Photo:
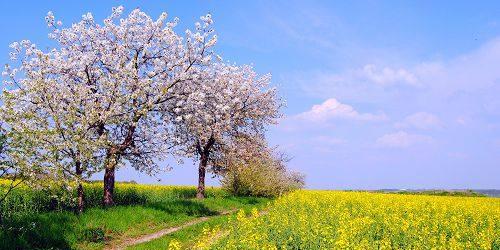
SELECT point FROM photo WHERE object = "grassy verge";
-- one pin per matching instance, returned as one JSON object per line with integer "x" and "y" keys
{"x": 188, "y": 237}
{"x": 34, "y": 222}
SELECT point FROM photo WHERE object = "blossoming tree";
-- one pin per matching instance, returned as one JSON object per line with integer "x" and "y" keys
{"x": 226, "y": 102}
{"x": 47, "y": 119}
{"x": 101, "y": 94}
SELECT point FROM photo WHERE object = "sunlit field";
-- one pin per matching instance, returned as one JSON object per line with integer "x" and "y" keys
{"x": 38, "y": 219}
{"x": 361, "y": 220}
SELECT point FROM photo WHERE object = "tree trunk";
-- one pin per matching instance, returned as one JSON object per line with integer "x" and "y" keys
{"x": 202, "y": 169}
{"x": 81, "y": 197}
{"x": 109, "y": 184}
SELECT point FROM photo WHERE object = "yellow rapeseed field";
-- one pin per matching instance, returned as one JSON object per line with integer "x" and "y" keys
{"x": 362, "y": 220}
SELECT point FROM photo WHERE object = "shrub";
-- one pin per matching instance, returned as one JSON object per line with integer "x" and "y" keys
{"x": 258, "y": 179}
{"x": 254, "y": 169}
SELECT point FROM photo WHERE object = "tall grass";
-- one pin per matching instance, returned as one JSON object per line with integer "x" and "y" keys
{"x": 25, "y": 200}
{"x": 34, "y": 219}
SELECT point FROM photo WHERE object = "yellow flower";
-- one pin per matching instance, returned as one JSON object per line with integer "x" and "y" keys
{"x": 174, "y": 245}
{"x": 362, "y": 220}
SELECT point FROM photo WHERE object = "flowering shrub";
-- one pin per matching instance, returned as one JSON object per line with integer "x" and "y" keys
{"x": 252, "y": 168}
{"x": 261, "y": 179}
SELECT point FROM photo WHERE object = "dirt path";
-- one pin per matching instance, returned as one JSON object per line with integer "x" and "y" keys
{"x": 145, "y": 238}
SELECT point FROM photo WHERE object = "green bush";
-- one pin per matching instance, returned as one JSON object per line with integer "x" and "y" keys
{"x": 249, "y": 167}
{"x": 261, "y": 180}
{"x": 254, "y": 169}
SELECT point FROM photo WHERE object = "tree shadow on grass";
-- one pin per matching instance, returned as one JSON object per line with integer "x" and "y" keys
{"x": 251, "y": 200}
{"x": 41, "y": 231}
{"x": 246, "y": 200}
{"x": 178, "y": 206}
{"x": 61, "y": 230}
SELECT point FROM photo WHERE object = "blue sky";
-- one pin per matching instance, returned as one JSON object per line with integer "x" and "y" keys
{"x": 380, "y": 94}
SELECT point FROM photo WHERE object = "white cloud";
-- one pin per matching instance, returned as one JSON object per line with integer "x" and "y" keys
{"x": 333, "y": 109}
{"x": 402, "y": 139}
{"x": 369, "y": 83}
{"x": 388, "y": 76}
{"x": 420, "y": 120}
{"x": 474, "y": 76}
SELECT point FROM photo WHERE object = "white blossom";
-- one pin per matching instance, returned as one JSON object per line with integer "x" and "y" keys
{"x": 225, "y": 103}
{"x": 130, "y": 90}
{"x": 100, "y": 96}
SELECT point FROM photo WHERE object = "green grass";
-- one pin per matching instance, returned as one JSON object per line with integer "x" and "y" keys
{"x": 34, "y": 222}
{"x": 187, "y": 237}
